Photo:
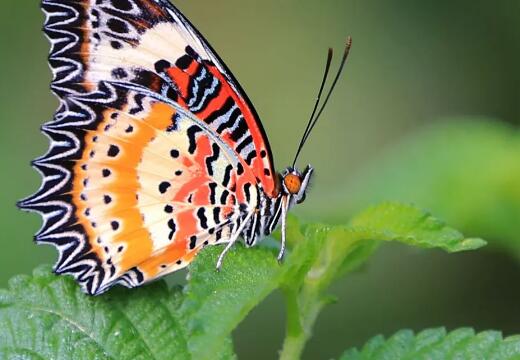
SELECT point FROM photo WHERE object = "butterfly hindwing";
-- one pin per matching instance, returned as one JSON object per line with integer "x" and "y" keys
{"x": 141, "y": 191}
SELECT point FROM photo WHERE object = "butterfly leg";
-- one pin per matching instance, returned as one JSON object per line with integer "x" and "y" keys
{"x": 284, "y": 227}
{"x": 233, "y": 240}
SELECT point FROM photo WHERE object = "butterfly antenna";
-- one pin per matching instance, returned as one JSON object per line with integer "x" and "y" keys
{"x": 340, "y": 70}
{"x": 316, "y": 104}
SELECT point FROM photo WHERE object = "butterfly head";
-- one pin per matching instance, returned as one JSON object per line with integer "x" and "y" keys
{"x": 294, "y": 183}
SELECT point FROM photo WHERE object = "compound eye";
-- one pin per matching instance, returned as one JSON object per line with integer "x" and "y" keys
{"x": 292, "y": 183}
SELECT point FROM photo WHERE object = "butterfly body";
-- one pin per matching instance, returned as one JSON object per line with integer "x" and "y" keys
{"x": 155, "y": 150}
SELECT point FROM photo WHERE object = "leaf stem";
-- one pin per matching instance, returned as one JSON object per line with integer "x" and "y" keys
{"x": 302, "y": 312}
{"x": 294, "y": 326}
{"x": 295, "y": 336}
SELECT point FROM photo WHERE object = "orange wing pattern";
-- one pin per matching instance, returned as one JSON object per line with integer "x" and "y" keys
{"x": 149, "y": 188}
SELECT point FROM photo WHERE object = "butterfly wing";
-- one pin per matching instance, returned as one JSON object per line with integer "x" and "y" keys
{"x": 138, "y": 194}
{"x": 150, "y": 156}
{"x": 149, "y": 42}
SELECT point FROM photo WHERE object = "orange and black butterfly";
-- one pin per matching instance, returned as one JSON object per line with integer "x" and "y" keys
{"x": 155, "y": 150}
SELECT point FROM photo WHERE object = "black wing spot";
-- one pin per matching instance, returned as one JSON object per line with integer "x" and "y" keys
{"x": 240, "y": 169}
{"x": 184, "y": 62}
{"x": 216, "y": 215}
{"x": 164, "y": 186}
{"x": 114, "y": 225}
{"x": 189, "y": 50}
{"x": 171, "y": 93}
{"x": 250, "y": 157}
{"x": 193, "y": 242}
{"x": 247, "y": 190}
{"x": 117, "y": 26}
{"x": 123, "y": 5}
{"x": 174, "y": 153}
{"x": 107, "y": 199}
{"x": 227, "y": 175}
{"x": 106, "y": 173}
{"x": 173, "y": 228}
{"x": 113, "y": 151}
{"x": 138, "y": 101}
{"x": 211, "y": 159}
{"x": 116, "y": 44}
{"x": 201, "y": 214}
{"x": 161, "y": 66}
{"x": 212, "y": 193}
{"x": 192, "y": 132}
{"x": 224, "y": 197}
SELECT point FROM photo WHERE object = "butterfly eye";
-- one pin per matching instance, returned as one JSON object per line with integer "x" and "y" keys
{"x": 292, "y": 183}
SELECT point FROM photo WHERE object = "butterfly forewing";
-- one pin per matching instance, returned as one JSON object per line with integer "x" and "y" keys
{"x": 149, "y": 42}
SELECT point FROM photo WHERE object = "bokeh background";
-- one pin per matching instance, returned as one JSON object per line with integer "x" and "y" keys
{"x": 428, "y": 112}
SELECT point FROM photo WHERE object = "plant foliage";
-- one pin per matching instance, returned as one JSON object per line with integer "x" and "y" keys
{"x": 437, "y": 344}
{"x": 46, "y": 317}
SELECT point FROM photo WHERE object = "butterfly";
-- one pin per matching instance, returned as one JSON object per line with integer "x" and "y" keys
{"x": 155, "y": 149}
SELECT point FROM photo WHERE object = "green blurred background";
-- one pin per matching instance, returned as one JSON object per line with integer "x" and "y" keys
{"x": 427, "y": 112}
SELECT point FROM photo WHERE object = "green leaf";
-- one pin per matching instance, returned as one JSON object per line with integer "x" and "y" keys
{"x": 412, "y": 226}
{"x": 436, "y": 343}
{"x": 342, "y": 248}
{"x": 216, "y": 302}
{"x": 464, "y": 170}
{"x": 46, "y": 316}
{"x": 327, "y": 252}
